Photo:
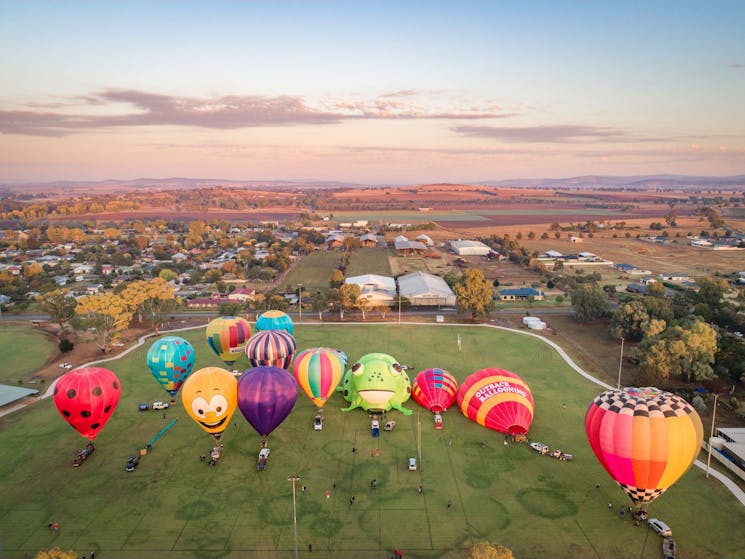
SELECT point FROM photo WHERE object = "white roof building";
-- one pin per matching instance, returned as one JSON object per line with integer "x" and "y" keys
{"x": 425, "y": 239}
{"x": 469, "y": 248}
{"x": 425, "y": 289}
{"x": 378, "y": 289}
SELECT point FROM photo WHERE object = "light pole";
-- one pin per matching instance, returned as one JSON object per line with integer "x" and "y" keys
{"x": 711, "y": 435}
{"x": 300, "y": 300}
{"x": 620, "y": 363}
{"x": 294, "y": 479}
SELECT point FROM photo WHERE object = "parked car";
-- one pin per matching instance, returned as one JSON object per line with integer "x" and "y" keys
{"x": 412, "y": 464}
{"x": 142, "y": 406}
{"x": 65, "y": 365}
{"x": 132, "y": 463}
{"x": 83, "y": 454}
{"x": 160, "y": 405}
{"x": 318, "y": 423}
{"x": 660, "y": 527}
{"x": 542, "y": 448}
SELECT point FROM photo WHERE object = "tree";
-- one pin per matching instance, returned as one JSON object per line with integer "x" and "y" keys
{"x": 337, "y": 278}
{"x": 109, "y": 314}
{"x": 364, "y": 304}
{"x": 686, "y": 350}
{"x": 589, "y": 301}
{"x": 487, "y": 550}
{"x": 345, "y": 298}
{"x": 319, "y": 302}
{"x": 59, "y": 305}
{"x": 153, "y": 298}
{"x": 712, "y": 291}
{"x": 656, "y": 289}
{"x": 474, "y": 293}
{"x": 632, "y": 322}
{"x": 228, "y": 309}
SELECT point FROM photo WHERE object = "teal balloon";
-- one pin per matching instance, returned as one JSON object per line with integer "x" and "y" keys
{"x": 170, "y": 360}
{"x": 275, "y": 320}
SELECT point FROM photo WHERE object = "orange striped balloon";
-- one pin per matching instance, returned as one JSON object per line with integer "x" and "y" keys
{"x": 497, "y": 399}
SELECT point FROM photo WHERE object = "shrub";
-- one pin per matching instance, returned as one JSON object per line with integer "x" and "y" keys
{"x": 65, "y": 345}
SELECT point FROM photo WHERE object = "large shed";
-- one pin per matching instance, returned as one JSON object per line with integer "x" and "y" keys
{"x": 378, "y": 289}
{"x": 422, "y": 289}
{"x": 469, "y": 248}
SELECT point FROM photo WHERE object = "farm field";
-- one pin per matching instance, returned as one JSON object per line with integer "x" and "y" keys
{"x": 313, "y": 271}
{"x": 369, "y": 261}
{"x": 174, "y": 505}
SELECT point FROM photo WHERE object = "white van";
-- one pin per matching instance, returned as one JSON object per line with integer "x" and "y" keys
{"x": 412, "y": 464}
{"x": 660, "y": 527}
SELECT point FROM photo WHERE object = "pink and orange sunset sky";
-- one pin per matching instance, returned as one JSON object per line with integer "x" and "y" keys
{"x": 370, "y": 92}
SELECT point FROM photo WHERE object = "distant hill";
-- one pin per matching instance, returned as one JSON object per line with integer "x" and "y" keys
{"x": 641, "y": 182}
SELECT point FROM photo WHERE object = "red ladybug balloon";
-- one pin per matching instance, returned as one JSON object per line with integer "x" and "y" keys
{"x": 86, "y": 398}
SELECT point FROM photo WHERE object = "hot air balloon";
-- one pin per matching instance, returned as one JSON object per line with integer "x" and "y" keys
{"x": 318, "y": 371}
{"x": 274, "y": 320}
{"x": 227, "y": 336}
{"x": 86, "y": 398}
{"x": 266, "y": 396}
{"x": 645, "y": 439}
{"x": 434, "y": 389}
{"x": 209, "y": 397}
{"x": 497, "y": 399}
{"x": 170, "y": 360}
{"x": 271, "y": 347}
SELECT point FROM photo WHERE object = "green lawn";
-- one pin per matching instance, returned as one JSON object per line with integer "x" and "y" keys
{"x": 24, "y": 352}
{"x": 369, "y": 261}
{"x": 313, "y": 271}
{"x": 173, "y": 505}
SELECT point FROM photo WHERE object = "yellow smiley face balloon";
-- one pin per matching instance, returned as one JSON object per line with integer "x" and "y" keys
{"x": 210, "y": 396}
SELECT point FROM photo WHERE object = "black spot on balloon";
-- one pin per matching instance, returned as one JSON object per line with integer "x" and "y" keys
{"x": 66, "y": 413}
{"x": 95, "y": 425}
{"x": 107, "y": 409}
{"x": 85, "y": 413}
{"x": 71, "y": 393}
{"x": 97, "y": 391}
{"x": 115, "y": 385}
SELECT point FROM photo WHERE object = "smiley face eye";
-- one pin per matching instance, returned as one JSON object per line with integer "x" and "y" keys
{"x": 396, "y": 369}
{"x": 219, "y": 404}
{"x": 358, "y": 369}
{"x": 199, "y": 407}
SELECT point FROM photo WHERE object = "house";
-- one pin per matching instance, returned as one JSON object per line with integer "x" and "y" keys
{"x": 729, "y": 448}
{"x": 520, "y": 294}
{"x": 553, "y": 254}
{"x": 425, "y": 289}
{"x": 625, "y": 268}
{"x": 242, "y": 294}
{"x": 405, "y": 247}
{"x": 425, "y": 239}
{"x": 675, "y": 277}
{"x": 700, "y": 243}
{"x": 335, "y": 240}
{"x": 61, "y": 280}
{"x": 647, "y": 280}
{"x": 369, "y": 240}
{"x": 94, "y": 288}
{"x": 377, "y": 289}
{"x": 469, "y": 248}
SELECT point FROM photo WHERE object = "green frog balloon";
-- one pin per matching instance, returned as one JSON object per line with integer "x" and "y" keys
{"x": 376, "y": 382}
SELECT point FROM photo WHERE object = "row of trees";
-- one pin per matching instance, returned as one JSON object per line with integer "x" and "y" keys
{"x": 108, "y": 314}
{"x": 678, "y": 337}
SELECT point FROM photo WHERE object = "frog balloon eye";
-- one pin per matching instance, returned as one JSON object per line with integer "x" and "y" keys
{"x": 396, "y": 369}
{"x": 199, "y": 407}
{"x": 358, "y": 369}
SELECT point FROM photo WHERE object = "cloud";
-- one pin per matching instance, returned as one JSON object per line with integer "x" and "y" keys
{"x": 552, "y": 134}
{"x": 737, "y": 65}
{"x": 129, "y": 107}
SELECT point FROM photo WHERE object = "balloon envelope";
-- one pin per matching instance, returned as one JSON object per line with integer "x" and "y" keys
{"x": 227, "y": 336}
{"x": 86, "y": 398}
{"x": 645, "y": 438}
{"x": 209, "y": 397}
{"x": 274, "y": 320}
{"x": 497, "y": 399}
{"x": 170, "y": 360}
{"x": 266, "y": 396}
{"x": 318, "y": 371}
{"x": 434, "y": 389}
{"x": 271, "y": 347}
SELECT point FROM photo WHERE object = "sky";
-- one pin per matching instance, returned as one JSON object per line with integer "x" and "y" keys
{"x": 370, "y": 92}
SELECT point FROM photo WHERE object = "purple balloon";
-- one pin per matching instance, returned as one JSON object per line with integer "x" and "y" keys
{"x": 266, "y": 396}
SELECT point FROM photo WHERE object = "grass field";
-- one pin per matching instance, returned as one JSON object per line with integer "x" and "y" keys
{"x": 174, "y": 505}
{"x": 24, "y": 351}
{"x": 314, "y": 271}
{"x": 369, "y": 261}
